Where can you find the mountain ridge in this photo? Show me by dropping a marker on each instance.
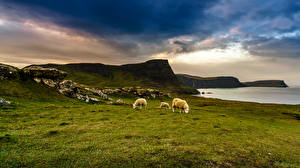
(153, 73)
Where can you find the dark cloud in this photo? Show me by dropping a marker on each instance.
(155, 17)
(125, 31)
(285, 47)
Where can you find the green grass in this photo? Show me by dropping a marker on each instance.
(60, 132)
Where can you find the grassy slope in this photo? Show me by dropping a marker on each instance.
(96, 80)
(59, 132)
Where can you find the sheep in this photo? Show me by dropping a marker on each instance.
(139, 102)
(173, 102)
(180, 104)
(164, 104)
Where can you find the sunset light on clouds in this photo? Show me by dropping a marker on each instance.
(206, 33)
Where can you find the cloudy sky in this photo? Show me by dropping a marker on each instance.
(252, 40)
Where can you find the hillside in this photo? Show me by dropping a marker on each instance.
(210, 82)
(266, 83)
(42, 128)
(153, 73)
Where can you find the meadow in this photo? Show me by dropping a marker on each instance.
(54, 131)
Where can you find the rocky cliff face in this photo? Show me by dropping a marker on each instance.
(266, 83)
(213, 82)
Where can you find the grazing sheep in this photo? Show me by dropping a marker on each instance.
(180, 104)
(173, 102)
(140, 102)
(164, 105)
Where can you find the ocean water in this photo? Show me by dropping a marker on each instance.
(289, 95)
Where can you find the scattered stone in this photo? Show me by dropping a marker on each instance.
(110, 103)
(37, 80)
(49, 82)
(97, 92)
(94, 100)
(120, 102)
(3, 102)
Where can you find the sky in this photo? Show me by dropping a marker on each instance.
(251, 40)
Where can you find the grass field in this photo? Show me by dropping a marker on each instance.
(60, 132)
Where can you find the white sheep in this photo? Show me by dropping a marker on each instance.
(164, 105)
(180, 104)
(173, 102)
(139, 102)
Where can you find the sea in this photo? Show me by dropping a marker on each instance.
(290, 95)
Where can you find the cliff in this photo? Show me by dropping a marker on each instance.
(266, 83)
(210, 82)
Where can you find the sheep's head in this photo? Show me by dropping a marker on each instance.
(133, 106)
(186, 108)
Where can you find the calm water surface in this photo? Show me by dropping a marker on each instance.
(289, 95)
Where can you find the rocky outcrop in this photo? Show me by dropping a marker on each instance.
(4, 102)
(8, 72)
(88, 94)
(44, 73)
(74, 90)
(137, 91)
(266, 83)
(212, 82)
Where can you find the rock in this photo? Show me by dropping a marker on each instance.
(94, 100)
(8, 72)
(37, 80)
(67, 84)
(46, 73)
(69, 93)
(141, 92)
(120, 102)
(97, 92)
(3, 102)
(50, 82)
